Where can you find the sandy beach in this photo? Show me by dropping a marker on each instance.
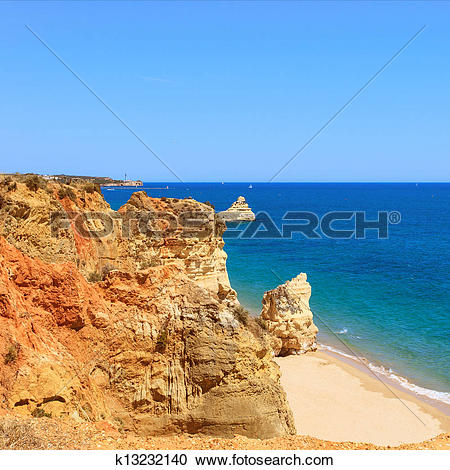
(333, 400)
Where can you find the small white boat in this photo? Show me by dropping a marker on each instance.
(250, 187)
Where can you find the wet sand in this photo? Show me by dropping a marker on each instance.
(333, 400)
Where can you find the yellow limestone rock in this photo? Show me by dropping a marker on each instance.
(288, 317)
(239, 211)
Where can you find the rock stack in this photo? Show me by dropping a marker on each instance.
(288, 317)
(239, 211)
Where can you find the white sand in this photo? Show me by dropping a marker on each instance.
(332, 400)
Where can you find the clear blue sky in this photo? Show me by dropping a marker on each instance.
(226, 91)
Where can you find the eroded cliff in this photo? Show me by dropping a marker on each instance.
(52, 223)
(153, 344)
(288, 317)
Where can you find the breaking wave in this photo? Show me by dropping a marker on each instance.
(342, 332)
(443, 397)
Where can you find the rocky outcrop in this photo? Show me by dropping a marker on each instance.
(239, 211)
(43, 223)
(155, 347)
(288, 317)
(153, 351)
(190, 237)
(51, 224)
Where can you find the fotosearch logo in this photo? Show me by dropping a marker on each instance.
(200, 224)
(334, 224)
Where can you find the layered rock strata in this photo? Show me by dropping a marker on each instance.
(239, 211)
(53, 225)
(288, 317)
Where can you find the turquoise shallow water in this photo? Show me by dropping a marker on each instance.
(387, 300)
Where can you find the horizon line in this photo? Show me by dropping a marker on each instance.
(300, 182)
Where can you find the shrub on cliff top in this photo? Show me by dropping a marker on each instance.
(207, 203)
(161, 341)
(12, 353)
(95, 277)
(40, 413)
(92, 188)
(35, 182)
(107, 269)
(9, 184)
(261, 323)
(100, 276)
(258, 327)
(241, 314)
(65, 191)
(150, 263)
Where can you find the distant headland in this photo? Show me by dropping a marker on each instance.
(76, 179)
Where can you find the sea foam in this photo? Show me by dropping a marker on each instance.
(342, 332)
(443, 397)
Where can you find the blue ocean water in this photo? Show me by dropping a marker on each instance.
(386, 299)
